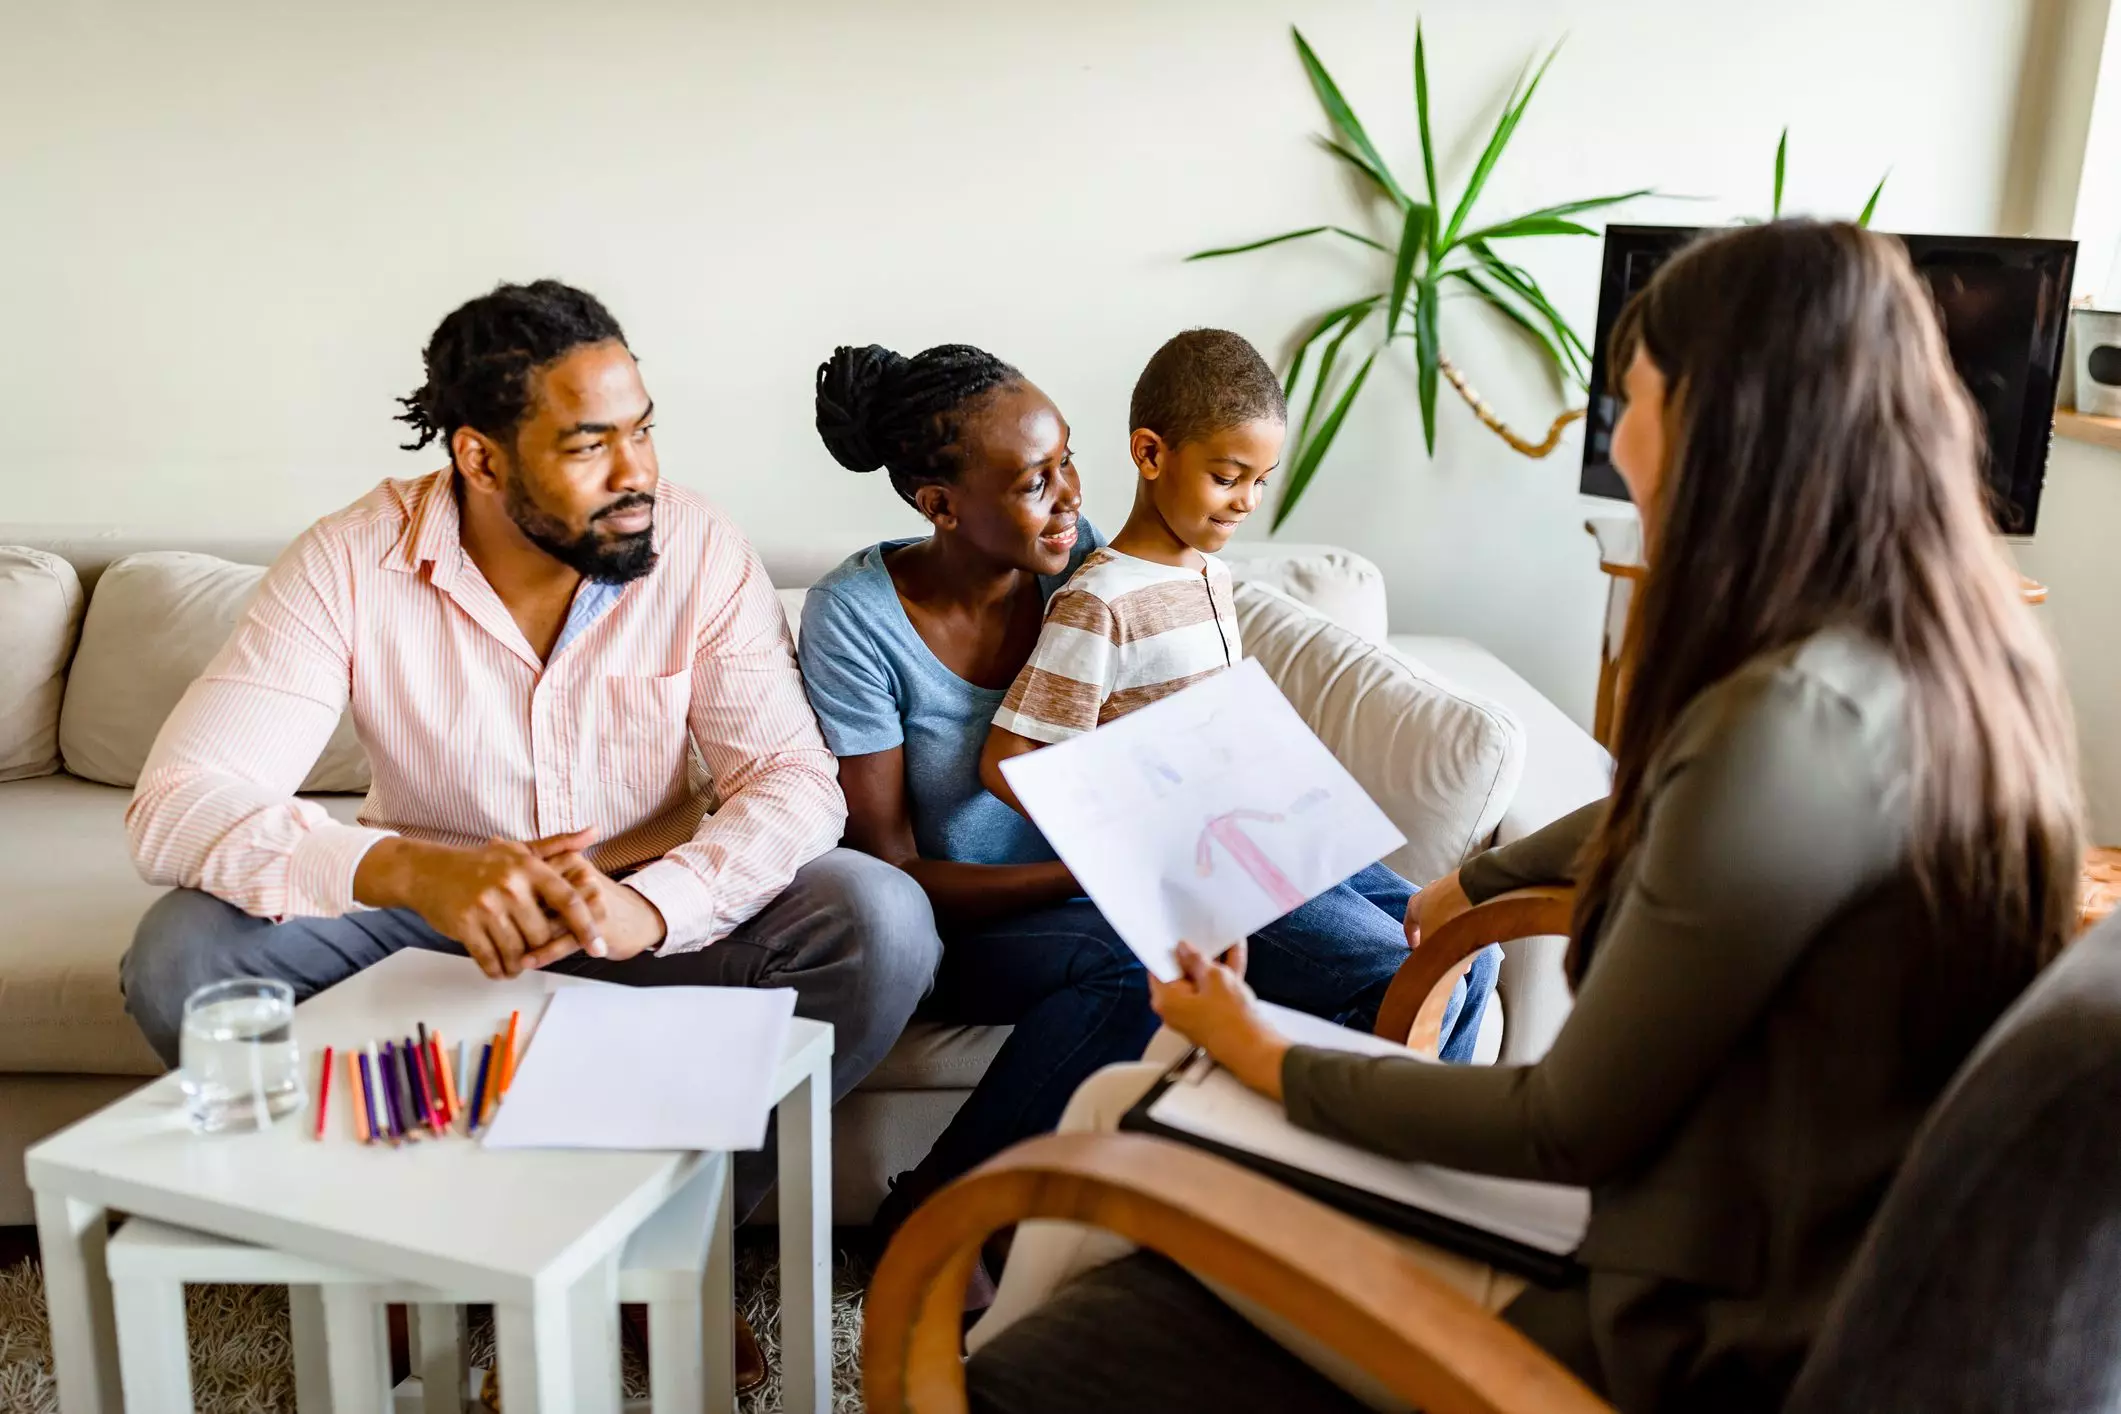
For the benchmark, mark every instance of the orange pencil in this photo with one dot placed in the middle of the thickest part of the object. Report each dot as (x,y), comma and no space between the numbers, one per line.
(508,1056)
(451,1103)
(354,1093)
(323,1092)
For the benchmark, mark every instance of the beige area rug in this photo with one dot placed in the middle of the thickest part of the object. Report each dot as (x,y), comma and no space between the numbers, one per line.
(242,1362)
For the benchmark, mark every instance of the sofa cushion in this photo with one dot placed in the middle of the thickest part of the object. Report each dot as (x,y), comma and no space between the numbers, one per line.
(73,900)
(1343,586)
(40,617)
(1441,762)
(154,624)
(1564,767)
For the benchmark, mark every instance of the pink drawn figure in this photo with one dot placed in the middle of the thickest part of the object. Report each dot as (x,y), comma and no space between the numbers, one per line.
(1228,831)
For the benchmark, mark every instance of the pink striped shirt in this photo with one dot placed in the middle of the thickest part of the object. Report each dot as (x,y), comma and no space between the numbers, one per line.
(470,737)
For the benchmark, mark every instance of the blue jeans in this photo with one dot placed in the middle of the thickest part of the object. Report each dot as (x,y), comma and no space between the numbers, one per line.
(1337,955)
(1078,999)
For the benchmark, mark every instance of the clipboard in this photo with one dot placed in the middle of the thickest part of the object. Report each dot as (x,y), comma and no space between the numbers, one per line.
(1534,1263)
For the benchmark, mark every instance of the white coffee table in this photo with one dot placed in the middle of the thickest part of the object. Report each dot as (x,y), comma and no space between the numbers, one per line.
(536,1232)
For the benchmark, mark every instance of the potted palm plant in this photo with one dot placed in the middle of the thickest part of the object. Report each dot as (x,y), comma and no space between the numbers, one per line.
(1438,244)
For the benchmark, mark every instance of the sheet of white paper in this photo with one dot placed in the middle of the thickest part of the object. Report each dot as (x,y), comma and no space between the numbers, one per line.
(1203,817)
(1216,1106)
(648,1068)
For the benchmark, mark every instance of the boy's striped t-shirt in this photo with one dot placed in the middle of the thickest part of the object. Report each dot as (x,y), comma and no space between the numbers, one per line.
(1123,633)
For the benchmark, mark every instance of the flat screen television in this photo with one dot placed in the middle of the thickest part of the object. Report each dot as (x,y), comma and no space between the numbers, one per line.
(2005,305)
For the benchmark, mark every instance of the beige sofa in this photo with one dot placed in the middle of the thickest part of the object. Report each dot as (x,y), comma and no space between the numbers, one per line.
(100,631)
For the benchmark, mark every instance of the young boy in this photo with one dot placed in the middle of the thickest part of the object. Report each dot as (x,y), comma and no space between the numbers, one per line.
(1153,612)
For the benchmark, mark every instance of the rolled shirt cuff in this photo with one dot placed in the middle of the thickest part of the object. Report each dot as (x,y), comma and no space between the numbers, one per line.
(320,871)
(686,903)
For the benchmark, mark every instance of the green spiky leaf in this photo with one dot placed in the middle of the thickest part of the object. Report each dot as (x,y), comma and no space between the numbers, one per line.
(1505,127)
(1325,371)
(1427,353)
(1318,331)
(1562,363)
(1314,451)
(1872,205)
(1530,226)
(1355,160)
(1288,236)
(1413,238)
(1782,152)
(1345,122)
(1520,283)
(1421,115)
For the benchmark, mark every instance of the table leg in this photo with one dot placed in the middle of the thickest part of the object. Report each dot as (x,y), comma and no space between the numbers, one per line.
(153,1353)
(718,1298)
(440,1336)
(71,1236)
(534,1352)
(805,1120)
(305,1319)
(357,1349)
(594,1317)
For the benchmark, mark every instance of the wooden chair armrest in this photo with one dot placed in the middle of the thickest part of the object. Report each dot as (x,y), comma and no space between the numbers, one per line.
(1340,1281)
(1520,913)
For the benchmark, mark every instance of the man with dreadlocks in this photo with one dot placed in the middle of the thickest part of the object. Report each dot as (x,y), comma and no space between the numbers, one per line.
(533,640)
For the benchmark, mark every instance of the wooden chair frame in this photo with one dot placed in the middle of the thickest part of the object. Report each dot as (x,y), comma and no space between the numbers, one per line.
(1340,1281)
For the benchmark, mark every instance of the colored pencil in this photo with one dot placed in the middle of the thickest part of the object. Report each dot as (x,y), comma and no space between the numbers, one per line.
(497,1078)
(357,1094)
(393,1079)
(508,1057)
(406,1103)
(416,1077)
(467,1094)
(431,1078)
(378,1097)
(324,1092)
(478,1099)
(450,1103)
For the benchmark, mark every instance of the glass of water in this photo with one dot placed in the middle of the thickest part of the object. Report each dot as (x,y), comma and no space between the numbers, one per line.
(238,1063)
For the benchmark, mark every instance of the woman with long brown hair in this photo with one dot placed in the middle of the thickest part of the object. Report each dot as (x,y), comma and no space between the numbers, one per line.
(1843,836)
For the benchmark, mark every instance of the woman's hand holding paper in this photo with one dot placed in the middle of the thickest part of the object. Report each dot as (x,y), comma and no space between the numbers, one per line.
(1209,1004)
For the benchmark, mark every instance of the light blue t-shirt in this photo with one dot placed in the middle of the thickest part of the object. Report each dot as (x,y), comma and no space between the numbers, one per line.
(874,685)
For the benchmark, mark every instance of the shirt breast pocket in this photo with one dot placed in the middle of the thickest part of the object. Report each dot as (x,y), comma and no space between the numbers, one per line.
(642,736)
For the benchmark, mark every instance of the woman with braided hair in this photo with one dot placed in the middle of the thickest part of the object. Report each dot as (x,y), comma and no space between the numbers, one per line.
(908,649)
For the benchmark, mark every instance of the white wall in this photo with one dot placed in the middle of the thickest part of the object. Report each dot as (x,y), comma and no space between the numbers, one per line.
(229,227)
(2073,555)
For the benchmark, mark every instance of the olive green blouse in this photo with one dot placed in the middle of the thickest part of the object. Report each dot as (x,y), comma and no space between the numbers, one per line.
(1763,1022)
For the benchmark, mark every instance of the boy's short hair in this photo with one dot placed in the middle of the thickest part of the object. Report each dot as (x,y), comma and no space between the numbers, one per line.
(1203,381)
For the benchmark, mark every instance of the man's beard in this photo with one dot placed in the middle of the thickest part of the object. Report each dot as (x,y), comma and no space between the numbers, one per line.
(593,556)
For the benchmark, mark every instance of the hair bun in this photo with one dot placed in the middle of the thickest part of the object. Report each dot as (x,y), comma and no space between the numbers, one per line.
(847,386)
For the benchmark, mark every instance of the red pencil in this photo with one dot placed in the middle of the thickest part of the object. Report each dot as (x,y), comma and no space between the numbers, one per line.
(324,1093)
(508,1056)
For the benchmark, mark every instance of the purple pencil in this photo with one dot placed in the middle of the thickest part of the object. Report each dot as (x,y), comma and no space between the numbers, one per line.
(478,1102)
(390,1090)
(368,1098)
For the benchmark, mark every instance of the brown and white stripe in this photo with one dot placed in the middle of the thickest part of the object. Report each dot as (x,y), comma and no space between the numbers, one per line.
(1124,633)
(471,737)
